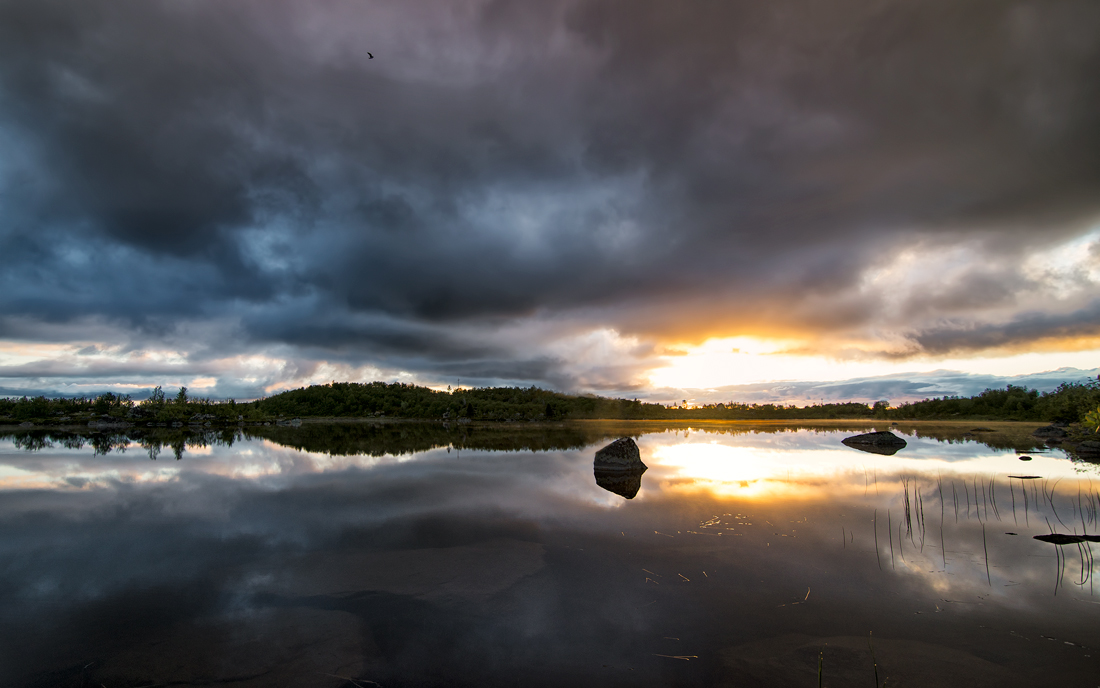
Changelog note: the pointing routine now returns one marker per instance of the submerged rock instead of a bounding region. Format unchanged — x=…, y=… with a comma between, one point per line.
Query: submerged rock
x=884, y=443
x=622, y=455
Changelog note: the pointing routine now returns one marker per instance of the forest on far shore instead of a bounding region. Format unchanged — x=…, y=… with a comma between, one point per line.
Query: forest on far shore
x=1069, y=403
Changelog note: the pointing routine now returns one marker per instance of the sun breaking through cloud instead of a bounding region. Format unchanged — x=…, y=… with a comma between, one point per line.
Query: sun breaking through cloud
x=236, y=197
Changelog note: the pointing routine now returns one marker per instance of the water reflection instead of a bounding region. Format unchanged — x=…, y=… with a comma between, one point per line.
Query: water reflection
x=371, y=439
x=489, y=556
x=623, y=483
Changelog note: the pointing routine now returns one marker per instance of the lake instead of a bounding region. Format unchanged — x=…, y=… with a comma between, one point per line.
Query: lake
x=417, y=555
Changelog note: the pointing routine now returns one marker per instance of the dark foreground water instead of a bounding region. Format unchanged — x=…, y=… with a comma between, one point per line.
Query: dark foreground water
x=408, y=555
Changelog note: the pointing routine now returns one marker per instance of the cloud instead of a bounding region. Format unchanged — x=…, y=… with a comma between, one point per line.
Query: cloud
x=664, y=173
x=1025, y=329
x=896, y=388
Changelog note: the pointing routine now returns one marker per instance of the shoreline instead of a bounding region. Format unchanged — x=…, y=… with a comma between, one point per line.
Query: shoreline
x=374, y=420
x=708, y=422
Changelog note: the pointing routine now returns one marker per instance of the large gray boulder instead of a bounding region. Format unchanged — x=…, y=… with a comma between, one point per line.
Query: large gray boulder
x=884, y=443
x=618, y=468
x=620, y=455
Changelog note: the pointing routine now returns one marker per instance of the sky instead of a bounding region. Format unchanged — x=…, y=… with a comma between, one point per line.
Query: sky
x=627, y=197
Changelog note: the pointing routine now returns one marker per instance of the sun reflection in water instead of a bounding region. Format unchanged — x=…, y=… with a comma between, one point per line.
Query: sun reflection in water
x=760, y=468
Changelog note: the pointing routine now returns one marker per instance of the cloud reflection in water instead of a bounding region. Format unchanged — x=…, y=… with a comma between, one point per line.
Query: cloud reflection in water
x=479, y=564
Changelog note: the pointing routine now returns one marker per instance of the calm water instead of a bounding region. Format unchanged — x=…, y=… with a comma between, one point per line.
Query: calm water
x=417, y=555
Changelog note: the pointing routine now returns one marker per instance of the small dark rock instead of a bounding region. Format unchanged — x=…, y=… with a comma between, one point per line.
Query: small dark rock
x=1050, y=432
x=1025, y=458
x=884, y=443
x=1063, y=539
x=1089, y=449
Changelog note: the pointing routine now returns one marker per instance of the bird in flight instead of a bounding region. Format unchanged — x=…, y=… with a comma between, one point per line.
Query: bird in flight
x=369, y=56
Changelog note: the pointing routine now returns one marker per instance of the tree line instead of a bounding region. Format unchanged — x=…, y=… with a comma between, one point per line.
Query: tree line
x=1069, y=403
x=157, y=408
x=344, y=399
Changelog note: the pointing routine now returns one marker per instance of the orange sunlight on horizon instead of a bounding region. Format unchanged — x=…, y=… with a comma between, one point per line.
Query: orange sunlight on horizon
x=747, y=360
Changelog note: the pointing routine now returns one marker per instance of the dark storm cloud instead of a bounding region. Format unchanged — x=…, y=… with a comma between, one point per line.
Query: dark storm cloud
x=1028, y=328
x=665, y=170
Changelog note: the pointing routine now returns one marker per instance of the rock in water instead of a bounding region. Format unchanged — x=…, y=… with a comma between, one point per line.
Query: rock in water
x=1063, y=539
x=1089, y=450
x=622, y=455
x=885, y=443
x=1050, y=432
x=618, y=468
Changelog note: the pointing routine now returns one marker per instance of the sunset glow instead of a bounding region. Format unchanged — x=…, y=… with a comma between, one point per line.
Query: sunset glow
x=715, y=364
x=581, y=199
x=551, y=342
